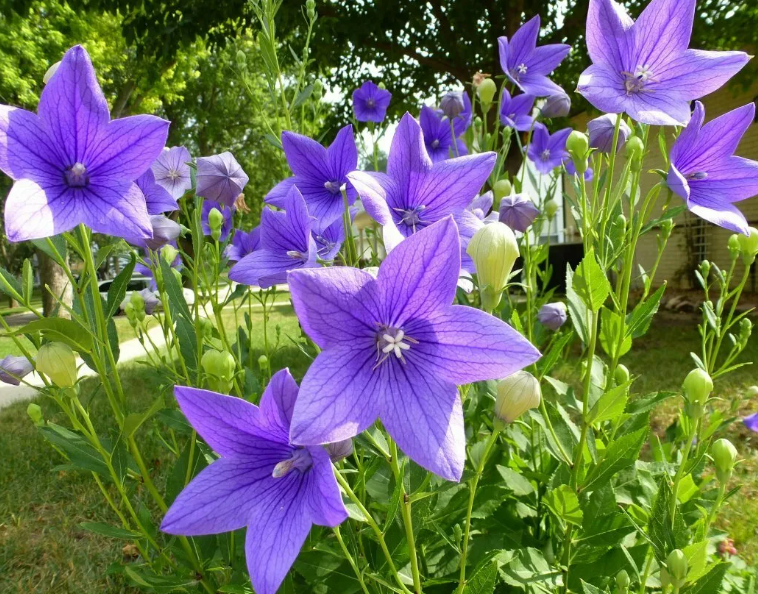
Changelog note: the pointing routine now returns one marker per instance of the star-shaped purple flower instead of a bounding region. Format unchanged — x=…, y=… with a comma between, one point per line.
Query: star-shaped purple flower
x=261, y=480
x=394, y=348
x=704, y=171
x=527, y=65
x=438, y=136
x=226, y=211
x=644, y=68
x=481, y=207
x=71, y=164
x=171, y=171
x=414, y=193
x=516, y=112
x=328, y=239
x=319, y=173
x=370, y=103
x=157, y=197
x=751, y=422
x=286, y=244
x=547, y=151
x=220, y=178
x=243, y=243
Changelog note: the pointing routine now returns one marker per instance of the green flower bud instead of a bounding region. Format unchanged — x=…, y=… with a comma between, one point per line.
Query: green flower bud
x=697, y=386
x=478, y=123
x=501, y=188
x=749, y=246
x=310, y=8
x=35, y=414
x=263, y=362
x=318, y=90
x=676, y=563
x=550, y=208
x=665, y=578
x=621, y=375
x=58, y=362
x=169, y=253
x=516, y=394
x=206, y=327
x=131, y=314
x=381, y=85
x=622, y=580
x=215, y=222
x=752, y=391
x=634, y=148
x=137, y=303
x=667, y=226
x=746, y=329
x=577, y=145
x=241, y=59
x=724, y=456
x=486, y=91
x=494, y=251
x=219, y=366
x=733, y=245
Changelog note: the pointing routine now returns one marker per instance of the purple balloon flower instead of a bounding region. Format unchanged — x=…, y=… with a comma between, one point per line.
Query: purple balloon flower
x=243, y=243
x=751, y=422
x=547, y=151
x=518, y=211
x=12, y=369
x=571, y=170
x=556, y=106
x=602, y=129
x=704, y=171
x=261, y=480
x=370, y=103
x=226, y=211
x=644, y=68
x=71, y=164
x=415, y=192
x=394, y=348
x=463, y=120
x=286, y=244
x=157, y=197
x=552, y=315
x=516, y=112
x=319, y=173
x=527, y=65
x=165, y=231
x=220, y=178
x=172, y=171
x=150, y=300
x=328, y=239
x=452, y=104
x=438, y=136
x=481, y=207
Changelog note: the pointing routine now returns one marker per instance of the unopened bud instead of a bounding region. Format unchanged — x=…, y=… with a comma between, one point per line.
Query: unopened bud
x=486, y=91
x=622, y=581
x=501, y=188
x=215, y=222
x=746, y=329
x=667, y=225
x=339, y=450
x=219, y=366
x=577, y=145
x=752, y=391
x=724, y=456
x=206, y=327
x=552, y=315
x=494, y=251
x=58, y=362
x=676, y=563
x=35, y=414
x=452, y=104
x=634, y=150
x=169, y=254
x=263, y=362
x=137, y=302
x=516, y=394
x=13, y=368
x=733, y=245
x=241, y=59
x=550, y=208
x=310, y=8
x=665, y=578
x=381, y=85
x=697, y=386
x=556, y=106
x=621, y=375
x=749, y=246
x=318, y=90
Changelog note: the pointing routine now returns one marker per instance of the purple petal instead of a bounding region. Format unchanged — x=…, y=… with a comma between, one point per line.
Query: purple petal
x=658, y=109
x=546, y=58
x=323, y=302
x=603, y=87
x=719, y=213
x=342, y=153
x=73, y=108
x=422, y=412
x=278, y=194
x=751, y=422
x=278, y=402
x=696, y=73
x=420, y=275
x=340, y=395
x=663, y=29
x=452, y=184
x=408, y=159
x=172, y=172
x=26, y=150
x=379, y=193
x=117, y=209
x=33, y=211
x=306, y=157
x=325, y=500
x=265, y=268
x=538, y=85
x=523, y=43
x=290, y=230
x=608, y=39
x=157, y=197
x=220, y=178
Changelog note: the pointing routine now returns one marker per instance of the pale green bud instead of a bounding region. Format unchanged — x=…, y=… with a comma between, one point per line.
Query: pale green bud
x=263, y=362
x=486, y=91
x=131, y=313
x=724, y=456
x=169, y=253
x=501, y=188
x=494, y=251
x=310, y=8
x=621, y=375
x=746, y=329
x=318, y=90
x=550, y=208
x=697, y=386
x=733, y=245
x=665, y=578
x=676, y=563
x=58, y=362
x=241, y=59
x=215, y=222
x=138, y=305
x=381, y=85
x=623, y=581
x=634, y=148
x=667, y=226
x=516, y=394
x=35, y=414
x=578, y=144
x=206, y=327
x=219, y=367
x=749, y=246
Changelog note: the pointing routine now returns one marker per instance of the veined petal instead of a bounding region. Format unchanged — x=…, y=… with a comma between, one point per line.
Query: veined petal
x=225, y=495
x=658, y=109
x=343, y=154
x=695, y=73
x=324, y=498
x=422, y=412
x=306, y=157
x=72, y=106
x=408, y=160
x=719, y=213
x=26, y=150
x=323, y=301
x=523, y=42
x=34, y=211
x=678, y=183
x=608, y=38
x=546, y=58
x=278, y=402
x=603, y=87
x=265, y=268
x=340, y=395
x=467, y=345
x=420, y=275
x=377, y=191
x=538, y=85
x=685, y=147
x=452, y=184
x=124, y=149
x=118, y=209
x=290, y=230
x=732, y=180
x=663, y=29
x=277, y=196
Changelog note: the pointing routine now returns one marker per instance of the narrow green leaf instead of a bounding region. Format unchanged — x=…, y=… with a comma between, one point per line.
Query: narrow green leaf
x=134, y=421
x=27, y=278
x=621, y=453
x=117, y=290
x=110, y=531
x=610, y=405
x=59, y=329
x=10, y=285
x=174, y=291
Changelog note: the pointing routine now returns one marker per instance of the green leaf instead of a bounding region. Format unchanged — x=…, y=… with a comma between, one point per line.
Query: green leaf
x=576, y=308
x=110, y=531
x=610, y=333
x=27, y=278
x=174, y=291
x=620, y=454
x=564, y=503
x=638, y=321
x=79, y=452
x=590, y=589
x=515, y=482
x=58, y=248
x=117, y=290
x=610, y=405
x=103, y=253
x=483, y=581
x=10, y=285
x=590, y=283
x=185, y=333
x=59, y=329
x=697, y=558
x=710, y=583
x=528, y=566
x=302, y=96
x=134, y=421
x=665, y=534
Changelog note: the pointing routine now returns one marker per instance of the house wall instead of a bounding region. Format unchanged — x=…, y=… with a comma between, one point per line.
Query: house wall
x=678, y=260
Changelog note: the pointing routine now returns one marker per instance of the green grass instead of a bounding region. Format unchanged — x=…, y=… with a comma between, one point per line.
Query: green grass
x=43, y=549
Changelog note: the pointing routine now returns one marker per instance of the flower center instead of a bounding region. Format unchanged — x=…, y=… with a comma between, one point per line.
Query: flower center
x=173, y=174
x=435, y=143
x=301, y=461
x=332, y=186
x=325, y=246
x=77, y=176
x=545, y=155
x=411, y=216
x=370, y=103
x=391, y=341
x=636, y=82
x=295, y=255
x=697, y=175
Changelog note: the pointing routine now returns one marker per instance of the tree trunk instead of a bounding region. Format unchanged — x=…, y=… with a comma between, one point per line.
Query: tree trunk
x=54, y=276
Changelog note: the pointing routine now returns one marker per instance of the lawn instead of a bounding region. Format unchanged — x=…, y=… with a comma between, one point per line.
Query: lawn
x=43, y=549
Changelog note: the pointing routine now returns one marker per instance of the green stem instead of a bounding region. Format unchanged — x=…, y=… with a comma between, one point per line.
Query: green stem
x=350, y=559
x=679, y=471
x=405, y=509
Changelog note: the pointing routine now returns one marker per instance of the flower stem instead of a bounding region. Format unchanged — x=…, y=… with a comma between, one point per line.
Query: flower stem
x=407, y=517
x=679, y=471
x=350, y=559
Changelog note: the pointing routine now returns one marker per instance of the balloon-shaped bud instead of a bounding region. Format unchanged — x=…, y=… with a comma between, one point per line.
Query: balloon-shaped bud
x=58, y=362
x=601, y=131
x=697, y=386
x=621, y=375
x=550, y=208
x=676, y=563
x=733, y=245
x=577, y=145
x=749, y=246
x=215, y=222
x=494, y=251
x=518, y=211
x=318, y=90
x=501, y=188
x=556, y=106
x=263, y=363
x=169, y=254
x=452, y=104
x=552, y=315
x=35, y=414
x=623, y=581
x=516, y=394
x=634, y=149
x=206, y=327
x=340, y=449
x=486, y=91
x=219, y=366
x=724, y=456
x=49, y=73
